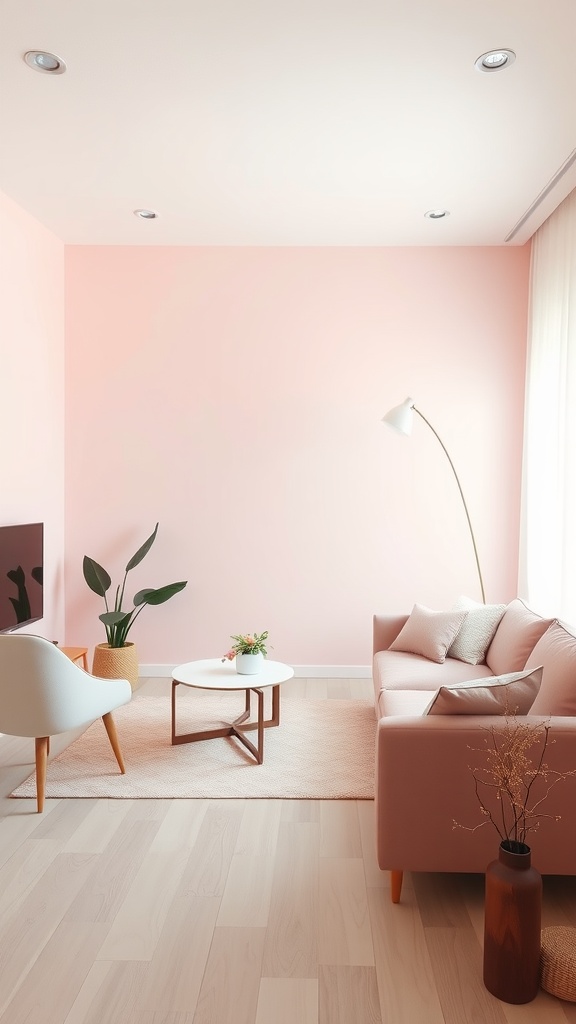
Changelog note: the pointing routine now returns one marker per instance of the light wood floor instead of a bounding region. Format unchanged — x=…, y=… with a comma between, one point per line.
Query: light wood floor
x=233, y=912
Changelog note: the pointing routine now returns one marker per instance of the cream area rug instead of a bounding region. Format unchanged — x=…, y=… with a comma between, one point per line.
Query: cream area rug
x=322, y=749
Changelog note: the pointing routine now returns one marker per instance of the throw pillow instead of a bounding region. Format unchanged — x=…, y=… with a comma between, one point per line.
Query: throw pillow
x=556, y=650
x=428, y=633
x=477, y=630
x=517, y=634
x=511, y=694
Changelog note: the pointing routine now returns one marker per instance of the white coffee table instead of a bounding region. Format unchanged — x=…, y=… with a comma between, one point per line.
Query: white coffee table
x=214, y=674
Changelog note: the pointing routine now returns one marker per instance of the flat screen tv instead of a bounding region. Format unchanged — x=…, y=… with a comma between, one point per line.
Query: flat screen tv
x=21, y=575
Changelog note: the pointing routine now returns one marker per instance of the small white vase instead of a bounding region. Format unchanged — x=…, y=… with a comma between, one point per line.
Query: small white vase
x=249, y=664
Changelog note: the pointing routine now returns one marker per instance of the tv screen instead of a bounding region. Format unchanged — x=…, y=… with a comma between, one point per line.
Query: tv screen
x=21, y=575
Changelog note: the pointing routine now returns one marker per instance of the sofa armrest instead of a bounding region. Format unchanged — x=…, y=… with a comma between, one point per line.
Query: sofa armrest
x=385, y=629
x=424, y=784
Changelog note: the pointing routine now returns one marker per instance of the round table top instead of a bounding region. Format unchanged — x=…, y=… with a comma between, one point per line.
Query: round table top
x=215, y=674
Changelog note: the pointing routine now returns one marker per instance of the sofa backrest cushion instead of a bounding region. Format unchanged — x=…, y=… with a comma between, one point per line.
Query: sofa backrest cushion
x=514, y=640
x=428, y=633
x=510, y=694
x=474, y=636
x=556, y=651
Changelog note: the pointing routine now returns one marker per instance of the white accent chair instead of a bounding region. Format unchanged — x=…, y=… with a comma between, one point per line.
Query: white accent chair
x=43, y=693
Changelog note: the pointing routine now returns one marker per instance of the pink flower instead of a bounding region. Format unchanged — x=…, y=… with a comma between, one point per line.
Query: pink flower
x=230, y=655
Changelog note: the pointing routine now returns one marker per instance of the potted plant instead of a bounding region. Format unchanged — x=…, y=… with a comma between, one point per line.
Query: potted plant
x=117, y=657
x=249, y=650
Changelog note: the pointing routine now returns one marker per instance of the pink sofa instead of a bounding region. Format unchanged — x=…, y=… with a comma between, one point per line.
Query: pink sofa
x=423, y=781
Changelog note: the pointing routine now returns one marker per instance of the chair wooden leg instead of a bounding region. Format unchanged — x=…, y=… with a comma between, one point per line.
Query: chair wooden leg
x=113, y=737
x=396, y=885
x=41, y=743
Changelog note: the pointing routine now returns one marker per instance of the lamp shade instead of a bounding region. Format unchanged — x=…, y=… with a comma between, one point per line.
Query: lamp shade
x=401, y=417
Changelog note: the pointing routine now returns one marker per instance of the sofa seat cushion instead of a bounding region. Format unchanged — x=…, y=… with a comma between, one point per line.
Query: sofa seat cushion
x=411, y=703
x=518, y=633
x=556, y=652
x=393, y=670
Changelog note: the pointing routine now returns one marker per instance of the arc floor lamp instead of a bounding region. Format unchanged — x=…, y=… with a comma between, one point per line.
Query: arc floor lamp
x=401, y=419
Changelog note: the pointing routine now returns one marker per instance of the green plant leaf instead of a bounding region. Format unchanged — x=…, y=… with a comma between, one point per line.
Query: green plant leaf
x=113, y=618
x=140, y=554
x=140, y=597
x=96, y=577
x=159, y=596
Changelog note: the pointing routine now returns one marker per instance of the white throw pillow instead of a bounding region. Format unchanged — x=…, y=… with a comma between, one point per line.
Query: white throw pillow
x=428, y=633
x=511, y=694
x=475, y=636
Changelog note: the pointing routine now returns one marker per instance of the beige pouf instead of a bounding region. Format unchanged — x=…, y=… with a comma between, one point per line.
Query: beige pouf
x=558, y=962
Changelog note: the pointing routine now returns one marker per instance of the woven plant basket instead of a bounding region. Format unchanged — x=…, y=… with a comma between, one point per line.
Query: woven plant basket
x=558, y=962
x=116, y=663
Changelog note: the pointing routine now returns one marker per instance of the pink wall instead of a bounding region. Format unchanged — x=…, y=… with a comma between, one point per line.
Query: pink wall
x=235, y=395
x=32, y=393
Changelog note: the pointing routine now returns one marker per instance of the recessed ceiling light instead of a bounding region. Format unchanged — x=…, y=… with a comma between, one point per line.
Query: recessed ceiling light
x=495, y=60
x=41, y=60
x=145, y=214
x=437, y=214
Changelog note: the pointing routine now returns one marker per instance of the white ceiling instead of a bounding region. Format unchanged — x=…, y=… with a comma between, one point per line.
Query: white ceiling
x=287, y=122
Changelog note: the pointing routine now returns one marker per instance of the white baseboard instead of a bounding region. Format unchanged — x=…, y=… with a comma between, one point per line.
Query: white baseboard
x=300, y=671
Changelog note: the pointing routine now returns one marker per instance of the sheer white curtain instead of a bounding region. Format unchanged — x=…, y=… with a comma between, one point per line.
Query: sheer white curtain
x=548, y=539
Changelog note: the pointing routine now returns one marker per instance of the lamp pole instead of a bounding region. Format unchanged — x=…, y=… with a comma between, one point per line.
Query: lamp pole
x=445, y=450
x=400, y=418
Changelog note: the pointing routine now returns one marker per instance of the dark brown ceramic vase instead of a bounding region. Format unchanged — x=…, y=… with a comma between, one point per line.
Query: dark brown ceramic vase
x=512, y=915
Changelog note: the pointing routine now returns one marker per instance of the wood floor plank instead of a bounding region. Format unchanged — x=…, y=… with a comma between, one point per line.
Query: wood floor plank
x=15, y=829
x=66, y=959
x=24, y=935
x=207, y=869
x=317, y=689
x=155, y=1017
x=96, y=830
x=248, y=891
x=136, y=928
x=287, y=1001
x=180, y=826
x=110, y=995
x=559, y=901
x=545, y=1009
x=64, y=818
x=375, y=878
x=258, y=833
x=94, y=981
x=406, y=982
x=291, y=947
x=235, y=955
x=340, y=829
x=148, y=810
x=22, y=871
x=348, y=994
x=345, y=935
x=456, y=957
x=569, y=1011
x=439, y=900
x=362, y=689
x=106, y=888
x=174, y=975
x=339, y=689
x=300, y=810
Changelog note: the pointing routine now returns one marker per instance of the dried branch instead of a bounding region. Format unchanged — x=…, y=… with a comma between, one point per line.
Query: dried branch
x=511, y=776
